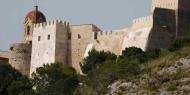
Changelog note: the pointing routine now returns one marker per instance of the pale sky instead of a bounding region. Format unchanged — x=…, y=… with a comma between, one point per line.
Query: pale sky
x=106, y=14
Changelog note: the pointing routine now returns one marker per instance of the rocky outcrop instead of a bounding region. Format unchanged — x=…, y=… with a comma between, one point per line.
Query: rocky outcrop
x=171, y=80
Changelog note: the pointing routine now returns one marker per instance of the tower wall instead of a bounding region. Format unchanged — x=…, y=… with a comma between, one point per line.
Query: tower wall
x=164, y=28
x=49, y=44
x=183, y=17
x=183, y=5
x=28, y=31
x=81, y=36
x=20, y=56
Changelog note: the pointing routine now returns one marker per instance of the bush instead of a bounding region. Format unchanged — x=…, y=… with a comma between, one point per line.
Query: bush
x=179, y=42
x=152, y=53
x=138, y=54
x=55, y=79
x=96, y=58
x=12, y=82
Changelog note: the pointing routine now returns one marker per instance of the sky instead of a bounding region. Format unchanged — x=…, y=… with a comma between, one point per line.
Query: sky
x=106, y=14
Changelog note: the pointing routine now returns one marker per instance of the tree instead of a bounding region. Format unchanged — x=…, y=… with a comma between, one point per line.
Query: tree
x=96, y=58
x=55, y=79
x=133, y=53
x=12, y=82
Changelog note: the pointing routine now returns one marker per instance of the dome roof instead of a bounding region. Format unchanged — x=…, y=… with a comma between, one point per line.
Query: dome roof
x=35, y=16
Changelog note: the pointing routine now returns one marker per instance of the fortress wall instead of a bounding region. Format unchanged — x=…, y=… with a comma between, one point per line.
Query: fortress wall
x=81, y=36
x=167, y=4
x=142, y=22
x=20, y=56
x=137, y=38
x=46, y=50
x=109, y=42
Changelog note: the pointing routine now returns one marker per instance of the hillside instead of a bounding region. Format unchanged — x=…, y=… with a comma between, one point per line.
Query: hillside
x=166, y=75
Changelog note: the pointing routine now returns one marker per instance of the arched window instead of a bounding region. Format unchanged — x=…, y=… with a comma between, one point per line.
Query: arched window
x=28, y=30
x=79, y=36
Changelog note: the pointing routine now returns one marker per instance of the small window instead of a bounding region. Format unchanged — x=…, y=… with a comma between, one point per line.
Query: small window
x=95, y=35
x=39, y=38
x=79, y=36
x=69, y=36
x=30, y=42
x=48, y=37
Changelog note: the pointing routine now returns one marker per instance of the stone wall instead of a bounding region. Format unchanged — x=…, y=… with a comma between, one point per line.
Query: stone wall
x=81, y=36
x=20, y=56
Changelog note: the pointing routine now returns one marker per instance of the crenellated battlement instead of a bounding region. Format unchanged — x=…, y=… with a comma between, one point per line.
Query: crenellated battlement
x=50, y=23
x=143, y=22
x=105, y=33
x=167, y=4
x=143, y=19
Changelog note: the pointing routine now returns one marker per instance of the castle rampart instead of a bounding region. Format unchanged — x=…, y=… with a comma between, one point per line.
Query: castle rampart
x=20, y=56
x=142, y=22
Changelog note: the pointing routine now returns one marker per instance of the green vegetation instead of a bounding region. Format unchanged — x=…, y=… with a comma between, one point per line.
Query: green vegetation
x=126, y=66
x=13, y=82
x=55, y=79
x=96, y=58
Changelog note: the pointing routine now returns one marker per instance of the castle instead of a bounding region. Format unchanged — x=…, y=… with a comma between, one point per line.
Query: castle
x=46, y=42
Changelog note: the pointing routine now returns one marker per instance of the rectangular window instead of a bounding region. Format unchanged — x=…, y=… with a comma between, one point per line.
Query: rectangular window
x=39, y=38
x=95, y=35
x=48, y=37
x=79, y=36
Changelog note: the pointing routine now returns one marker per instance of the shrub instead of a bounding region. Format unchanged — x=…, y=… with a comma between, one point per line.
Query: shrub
x=96, y=58
x=12, y=82
x=55, y=79
x=179, y=42
x=134, y=53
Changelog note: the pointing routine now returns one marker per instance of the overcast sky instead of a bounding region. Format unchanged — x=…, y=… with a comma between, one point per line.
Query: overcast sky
x=106, y=14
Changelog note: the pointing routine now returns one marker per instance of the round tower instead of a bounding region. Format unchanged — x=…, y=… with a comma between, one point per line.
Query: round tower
x=20, y=57
x=33, y=17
